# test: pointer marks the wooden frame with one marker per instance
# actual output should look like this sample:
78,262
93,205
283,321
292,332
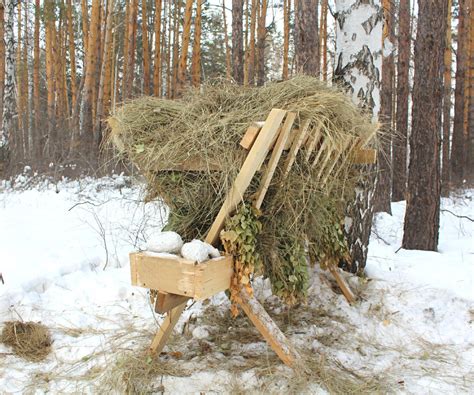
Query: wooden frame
177,280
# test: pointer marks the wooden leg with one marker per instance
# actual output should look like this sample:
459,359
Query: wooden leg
166,302
269,330
166,328
346,291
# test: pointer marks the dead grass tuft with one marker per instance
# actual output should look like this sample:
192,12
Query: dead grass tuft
29,340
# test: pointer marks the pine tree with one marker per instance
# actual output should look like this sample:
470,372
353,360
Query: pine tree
237,42
306,39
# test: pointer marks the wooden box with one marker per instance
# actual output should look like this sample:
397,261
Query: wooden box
181,276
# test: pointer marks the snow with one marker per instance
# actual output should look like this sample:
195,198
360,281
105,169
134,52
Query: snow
64,249
197,250
169,242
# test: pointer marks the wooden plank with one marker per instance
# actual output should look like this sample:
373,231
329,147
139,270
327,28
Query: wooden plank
273,162
166,329
251,135
364,156
298,141
313,141
320,151
252,163
166,302
213,276
346,290
269,330
341,157
181,276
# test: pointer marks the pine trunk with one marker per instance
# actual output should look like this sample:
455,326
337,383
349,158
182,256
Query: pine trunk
458,150
38,141
196,60
177,19
323,39
183,60
422,212
261,38
157,59
286,36
399,179
2,58
226,43
237,42
382,193
251,57
359,61
146,50
470,120
131,47
85,28
307,41
445,178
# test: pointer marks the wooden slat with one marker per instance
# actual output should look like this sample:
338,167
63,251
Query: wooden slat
181,276
364,156
320,152
273,162
251,135
335,160
313,141
346,290
165,302
268,329
253,162
297,142
166,329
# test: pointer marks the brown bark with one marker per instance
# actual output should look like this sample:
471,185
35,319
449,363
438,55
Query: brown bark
445,178
132,39
183,60
36,77
382,192
157,59
237,42
168,53
251,56
307,42
421,228
85,28
72,54
50,77
196,61
261,38
177,18
126,43
323,39
399,162
286,37
228,67
470,116
459,143
146,50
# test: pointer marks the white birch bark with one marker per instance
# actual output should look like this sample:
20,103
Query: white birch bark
9,90
359,26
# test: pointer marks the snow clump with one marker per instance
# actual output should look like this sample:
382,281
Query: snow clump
169,242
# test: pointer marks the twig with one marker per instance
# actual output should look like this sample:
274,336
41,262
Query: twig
458,216
380,237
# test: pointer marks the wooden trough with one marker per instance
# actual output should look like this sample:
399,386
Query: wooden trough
176,280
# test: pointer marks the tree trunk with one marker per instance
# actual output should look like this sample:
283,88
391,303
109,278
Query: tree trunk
382,193
9,101
85,28
72,55
237,42
183,60
177,18
399,178
146,50
422,212
458,150
261,38
168,53
38,143
196,60
286,36
226,43
251,57
2,58
132,39
470,120
306,40
50,74
445,178
157,74
359,58
323,39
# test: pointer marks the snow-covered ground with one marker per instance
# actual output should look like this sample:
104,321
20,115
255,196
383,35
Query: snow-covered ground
64,258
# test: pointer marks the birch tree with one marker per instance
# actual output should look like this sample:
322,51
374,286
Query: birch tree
358,68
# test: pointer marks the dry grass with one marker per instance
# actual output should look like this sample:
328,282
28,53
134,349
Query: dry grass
29,340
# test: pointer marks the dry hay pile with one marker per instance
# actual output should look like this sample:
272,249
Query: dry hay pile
302,214
29,340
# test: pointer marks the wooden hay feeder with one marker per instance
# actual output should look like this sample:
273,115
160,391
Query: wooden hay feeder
177,280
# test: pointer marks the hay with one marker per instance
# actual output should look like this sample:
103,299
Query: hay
29,340
301,214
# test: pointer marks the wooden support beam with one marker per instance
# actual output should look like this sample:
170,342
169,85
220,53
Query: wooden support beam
166,329
364,156
269,330
252,163
275,157
297,142
346,290
251,135
166,302
313,141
